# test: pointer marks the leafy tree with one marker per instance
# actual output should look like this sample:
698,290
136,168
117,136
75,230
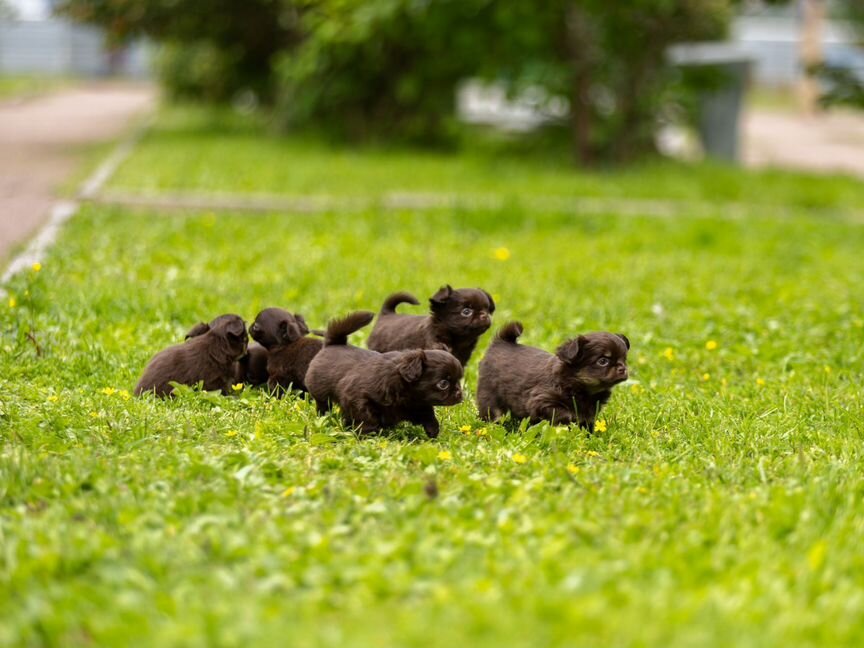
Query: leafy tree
241,37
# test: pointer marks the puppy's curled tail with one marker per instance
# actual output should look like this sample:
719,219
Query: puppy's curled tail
510,332
338,330
390,304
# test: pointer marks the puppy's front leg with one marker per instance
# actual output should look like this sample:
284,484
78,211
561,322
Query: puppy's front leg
425,415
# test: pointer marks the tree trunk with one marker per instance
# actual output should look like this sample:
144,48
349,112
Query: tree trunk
578,40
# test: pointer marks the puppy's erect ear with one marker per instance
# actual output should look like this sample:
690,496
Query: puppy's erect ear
410,365
199,329
569,351
625,338
301,324
491,301
441,297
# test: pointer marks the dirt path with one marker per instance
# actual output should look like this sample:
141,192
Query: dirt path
41,143
831,142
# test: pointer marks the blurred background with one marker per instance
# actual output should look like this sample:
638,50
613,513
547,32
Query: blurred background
761,83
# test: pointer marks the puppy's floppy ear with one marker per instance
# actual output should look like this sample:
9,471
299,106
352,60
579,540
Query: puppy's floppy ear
289,332
441,297
301,324
234,327
569,352
626,340
491,301
410,365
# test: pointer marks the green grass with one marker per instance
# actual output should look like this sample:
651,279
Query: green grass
12,87
215,151
722,506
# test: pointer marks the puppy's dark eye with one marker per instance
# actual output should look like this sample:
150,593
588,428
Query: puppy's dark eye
603,362
467,312
443,384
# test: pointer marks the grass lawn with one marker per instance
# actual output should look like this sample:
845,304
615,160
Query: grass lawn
721,506
21,86
215,151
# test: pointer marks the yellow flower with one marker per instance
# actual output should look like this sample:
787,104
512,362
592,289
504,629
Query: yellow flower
760,382
642,490
642,360
711,345
706,377
519,458
600,426
445,455
572,469
636,388
482,432
669,353
816,555
592,453
36,267
124,394
237,387
13,302
288,492
501,254
465,429
52,398
108,391
231,433
827,369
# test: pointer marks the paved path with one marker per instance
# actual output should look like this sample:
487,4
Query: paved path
42,140
825,143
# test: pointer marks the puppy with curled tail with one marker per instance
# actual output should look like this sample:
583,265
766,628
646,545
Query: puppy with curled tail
456,321
569,386
378,390
209,357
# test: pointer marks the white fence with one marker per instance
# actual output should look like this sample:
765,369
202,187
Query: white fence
56,47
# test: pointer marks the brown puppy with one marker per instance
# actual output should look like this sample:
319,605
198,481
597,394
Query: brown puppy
209,357
251,368
458,318
288,352
378,390
568,387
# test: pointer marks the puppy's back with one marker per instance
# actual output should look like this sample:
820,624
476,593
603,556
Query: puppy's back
507,370
337,357
174,364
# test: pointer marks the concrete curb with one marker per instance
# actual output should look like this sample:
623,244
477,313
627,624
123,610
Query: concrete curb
64,210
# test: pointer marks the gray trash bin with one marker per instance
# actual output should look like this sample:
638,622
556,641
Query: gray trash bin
720,109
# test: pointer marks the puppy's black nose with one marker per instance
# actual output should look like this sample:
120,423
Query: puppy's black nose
484,317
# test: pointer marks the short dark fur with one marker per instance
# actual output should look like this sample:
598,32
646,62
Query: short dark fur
568,387
288,352
458,318
209,357
251,368
378,390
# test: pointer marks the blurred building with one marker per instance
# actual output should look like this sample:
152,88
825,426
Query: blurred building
33,41
771,36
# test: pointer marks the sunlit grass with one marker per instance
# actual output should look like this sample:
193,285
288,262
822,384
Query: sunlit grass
722,505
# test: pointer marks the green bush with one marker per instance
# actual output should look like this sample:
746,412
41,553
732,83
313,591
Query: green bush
198,71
